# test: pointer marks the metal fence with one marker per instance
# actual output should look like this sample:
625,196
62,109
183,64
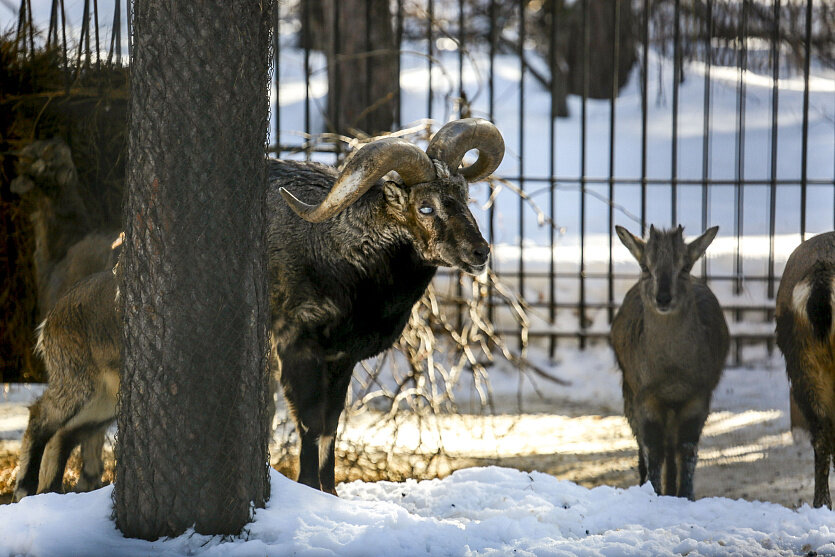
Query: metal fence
724,117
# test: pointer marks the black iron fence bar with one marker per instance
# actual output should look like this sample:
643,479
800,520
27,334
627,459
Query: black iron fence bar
52,32
430,23
306,43
583,122
772,202
644,109
276,79
676,77
603,335
739,171
491,106
595,275
522,68
664,181
128,22
552,170
461,302
612,114
96,22
708,46
463,111
398,30
116,34
804,149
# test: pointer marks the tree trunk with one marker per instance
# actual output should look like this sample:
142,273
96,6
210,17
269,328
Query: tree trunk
600,65
362,66
192,418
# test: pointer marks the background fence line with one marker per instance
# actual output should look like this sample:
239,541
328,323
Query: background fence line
563,200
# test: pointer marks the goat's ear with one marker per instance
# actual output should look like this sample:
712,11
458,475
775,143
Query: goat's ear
21,185
634,244
395,196
697,247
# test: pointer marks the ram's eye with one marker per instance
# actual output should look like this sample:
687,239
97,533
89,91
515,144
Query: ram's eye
426,210
644,269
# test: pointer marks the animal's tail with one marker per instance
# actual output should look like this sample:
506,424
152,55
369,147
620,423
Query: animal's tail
812,298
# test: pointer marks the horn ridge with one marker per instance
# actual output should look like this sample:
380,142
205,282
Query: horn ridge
369,163
455,138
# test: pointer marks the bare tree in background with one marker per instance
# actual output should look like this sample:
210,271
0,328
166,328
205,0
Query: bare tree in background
358,38
193,424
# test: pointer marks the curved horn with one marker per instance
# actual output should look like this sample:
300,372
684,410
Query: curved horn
456,138
370,163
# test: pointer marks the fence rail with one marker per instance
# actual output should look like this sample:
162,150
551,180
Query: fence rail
704,112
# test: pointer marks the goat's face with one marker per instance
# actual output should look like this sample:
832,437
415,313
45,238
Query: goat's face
437,217
666,261
45,166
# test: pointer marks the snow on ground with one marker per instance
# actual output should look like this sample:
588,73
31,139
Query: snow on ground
493,510
478,511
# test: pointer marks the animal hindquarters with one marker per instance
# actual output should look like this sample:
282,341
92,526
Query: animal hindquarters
805,336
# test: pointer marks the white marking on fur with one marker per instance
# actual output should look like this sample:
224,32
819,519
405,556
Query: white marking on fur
325,442
39,350
800,297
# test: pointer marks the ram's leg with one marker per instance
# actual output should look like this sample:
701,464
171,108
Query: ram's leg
92,463
339,380
691,419
304,383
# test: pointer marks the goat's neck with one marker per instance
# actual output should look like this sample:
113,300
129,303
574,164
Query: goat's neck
664,325
58,224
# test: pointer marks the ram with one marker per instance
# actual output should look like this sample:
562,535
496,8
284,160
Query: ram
343,279
806,337
671,341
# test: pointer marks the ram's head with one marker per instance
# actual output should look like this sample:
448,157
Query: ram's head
430,200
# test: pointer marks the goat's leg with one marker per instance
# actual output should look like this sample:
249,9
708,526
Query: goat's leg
652,438
38,432
630,412
822,445
55,456
92,464
692,419
670,467
303,381
642,465
46,417
339,380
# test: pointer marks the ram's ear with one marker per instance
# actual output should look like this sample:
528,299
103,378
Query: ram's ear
396,196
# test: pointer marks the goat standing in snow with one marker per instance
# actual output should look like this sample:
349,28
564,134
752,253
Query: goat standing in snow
671,340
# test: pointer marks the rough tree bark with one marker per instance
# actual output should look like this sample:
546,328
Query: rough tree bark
192,420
